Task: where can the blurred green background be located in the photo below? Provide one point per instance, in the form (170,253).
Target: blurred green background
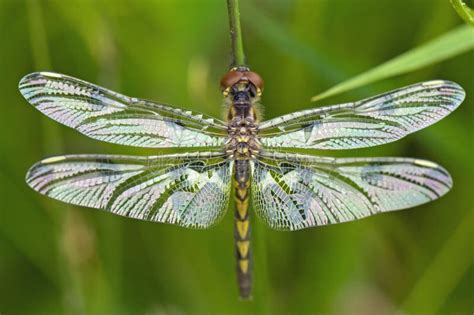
(59,259)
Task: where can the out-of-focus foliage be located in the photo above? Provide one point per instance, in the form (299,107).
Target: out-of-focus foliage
(59,259)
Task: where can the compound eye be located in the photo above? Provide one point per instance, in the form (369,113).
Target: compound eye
(255,79)
(230,78)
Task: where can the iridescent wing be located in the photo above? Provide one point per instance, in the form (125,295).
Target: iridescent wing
(190,190)
(109,116)
(373,121)
(292,192)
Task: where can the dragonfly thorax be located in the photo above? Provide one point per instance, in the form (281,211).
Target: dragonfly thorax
(242,89)
(243,143)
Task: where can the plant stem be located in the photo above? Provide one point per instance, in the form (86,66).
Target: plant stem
(237,53)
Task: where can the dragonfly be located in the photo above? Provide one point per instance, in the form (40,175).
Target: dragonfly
(290,191)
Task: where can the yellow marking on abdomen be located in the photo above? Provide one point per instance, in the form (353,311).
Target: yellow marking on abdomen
(244,265)
(241,193)
(242,208)
(243,247)
(242,228)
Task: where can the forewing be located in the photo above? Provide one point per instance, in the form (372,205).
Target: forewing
(292,192)
(373,121)
(109,116)
(190,190)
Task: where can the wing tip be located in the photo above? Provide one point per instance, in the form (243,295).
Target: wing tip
(31,175)
(35,171)
(455,88)
(444,179)
(27,81)
(34,77)
(448,182)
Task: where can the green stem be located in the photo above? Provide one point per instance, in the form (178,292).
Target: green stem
(237,53)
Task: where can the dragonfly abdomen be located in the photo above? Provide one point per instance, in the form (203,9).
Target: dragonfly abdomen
(242,228)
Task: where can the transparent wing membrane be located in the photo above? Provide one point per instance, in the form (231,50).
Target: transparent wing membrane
(109,116)
(373,121)
(292,192)
(190,190)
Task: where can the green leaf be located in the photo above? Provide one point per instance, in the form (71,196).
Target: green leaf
(448,45)
(465,12)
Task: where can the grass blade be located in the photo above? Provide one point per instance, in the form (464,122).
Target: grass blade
(465,12)
(448,45)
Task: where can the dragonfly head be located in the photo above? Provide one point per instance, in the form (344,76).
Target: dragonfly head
(240,83)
